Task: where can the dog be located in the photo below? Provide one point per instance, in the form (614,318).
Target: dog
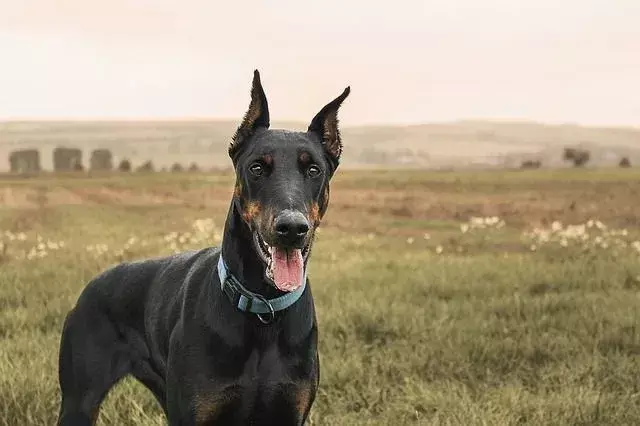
(220,336)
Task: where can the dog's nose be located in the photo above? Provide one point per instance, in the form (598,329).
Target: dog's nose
(291,228)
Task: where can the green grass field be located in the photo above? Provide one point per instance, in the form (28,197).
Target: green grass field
(443,298)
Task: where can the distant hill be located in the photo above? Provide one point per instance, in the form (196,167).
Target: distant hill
(456,144)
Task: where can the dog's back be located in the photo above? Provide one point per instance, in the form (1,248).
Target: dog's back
(159,282)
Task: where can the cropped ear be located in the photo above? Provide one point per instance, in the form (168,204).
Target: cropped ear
(325,125)
(256,116)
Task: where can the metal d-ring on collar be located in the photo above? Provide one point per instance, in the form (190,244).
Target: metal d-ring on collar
(248,301)
(272,312)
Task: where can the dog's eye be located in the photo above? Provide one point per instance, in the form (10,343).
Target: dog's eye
(313,170)
(256,169)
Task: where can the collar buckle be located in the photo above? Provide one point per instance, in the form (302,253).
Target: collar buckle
(248,301)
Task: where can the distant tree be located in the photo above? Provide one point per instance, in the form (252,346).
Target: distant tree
(25,161)
(146,167)
(176,167)
(193,167)
(531,164)
(67,159)
(124,166)
(101,159)
(579,157)
(625,162)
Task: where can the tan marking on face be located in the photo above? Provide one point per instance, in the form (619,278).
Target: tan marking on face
(304,158)
(325,202)
(238,190)
(251,211)
(314,214)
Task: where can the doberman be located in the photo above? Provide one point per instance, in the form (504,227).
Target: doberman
(220,336)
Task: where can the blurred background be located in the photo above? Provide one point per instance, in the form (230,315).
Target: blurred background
(479,263)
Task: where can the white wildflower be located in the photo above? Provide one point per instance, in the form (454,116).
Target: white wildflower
(476,222)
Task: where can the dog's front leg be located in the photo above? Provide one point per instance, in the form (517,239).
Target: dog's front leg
(193,399)
(179,412)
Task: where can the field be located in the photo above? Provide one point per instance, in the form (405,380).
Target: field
(467,298)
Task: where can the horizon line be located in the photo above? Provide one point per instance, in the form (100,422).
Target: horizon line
(177,118)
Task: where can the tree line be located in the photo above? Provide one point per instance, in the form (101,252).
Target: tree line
(70,159)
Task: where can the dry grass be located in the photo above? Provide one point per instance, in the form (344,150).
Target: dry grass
(427,316)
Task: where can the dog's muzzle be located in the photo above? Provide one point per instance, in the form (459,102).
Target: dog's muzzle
(285,258)
(291,229)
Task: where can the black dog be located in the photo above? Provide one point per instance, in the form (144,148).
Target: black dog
(222,336)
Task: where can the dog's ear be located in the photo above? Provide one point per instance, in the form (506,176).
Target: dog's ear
(256,116)
(325,125)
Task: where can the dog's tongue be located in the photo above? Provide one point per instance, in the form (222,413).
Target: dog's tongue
(287,269)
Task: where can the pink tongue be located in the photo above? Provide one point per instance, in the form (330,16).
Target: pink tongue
(287,269)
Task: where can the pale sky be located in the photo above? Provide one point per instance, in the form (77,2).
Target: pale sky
(407,61)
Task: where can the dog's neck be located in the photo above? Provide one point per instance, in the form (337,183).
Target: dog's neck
(238,249)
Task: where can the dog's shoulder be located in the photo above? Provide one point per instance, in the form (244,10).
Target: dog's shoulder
(133,279)
(187,265)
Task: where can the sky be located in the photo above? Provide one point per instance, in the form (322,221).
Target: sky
(407,61)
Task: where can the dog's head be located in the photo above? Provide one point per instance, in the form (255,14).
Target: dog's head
(282,183)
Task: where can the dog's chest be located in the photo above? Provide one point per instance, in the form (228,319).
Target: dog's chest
(270,387)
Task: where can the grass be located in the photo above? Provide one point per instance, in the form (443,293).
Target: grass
(420,323)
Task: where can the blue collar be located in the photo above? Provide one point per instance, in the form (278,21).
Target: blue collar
(249,301)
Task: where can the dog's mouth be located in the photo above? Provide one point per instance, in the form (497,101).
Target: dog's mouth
(285,266)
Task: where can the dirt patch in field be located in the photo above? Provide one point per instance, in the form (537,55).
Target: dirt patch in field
(17,198)
(105,195)
(617,205)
